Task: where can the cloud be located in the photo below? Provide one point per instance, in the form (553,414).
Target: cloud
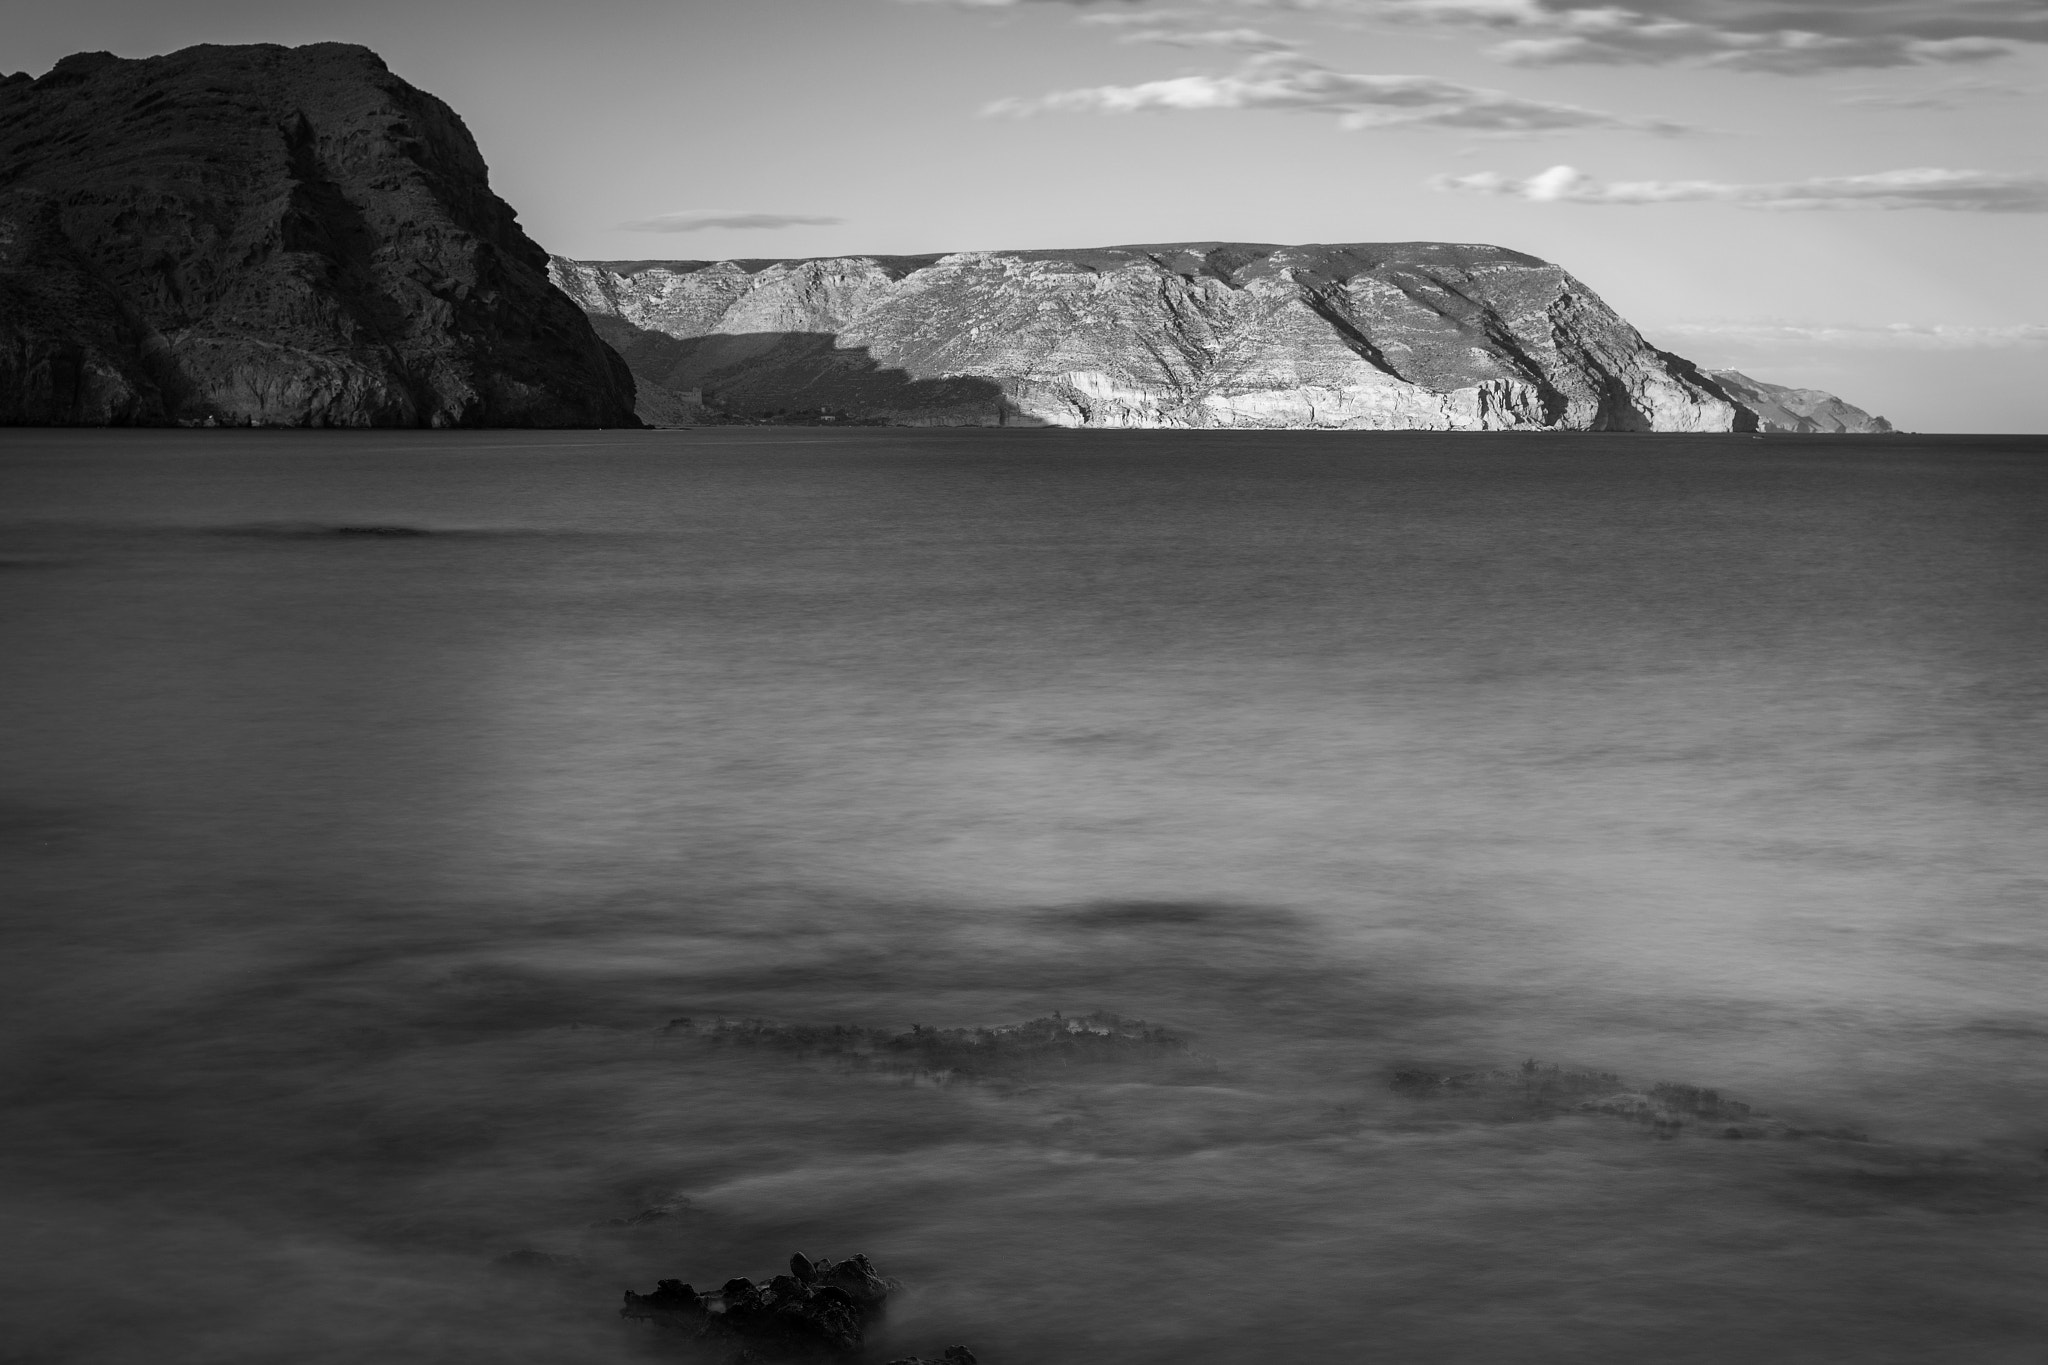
(1182,28)
(1620,39)
(1925,188)
(2019,20)
(1359,101)
(696,220)
(1237,39)
(1901,336)
(1012,4)
(1785,37)
(1954,95)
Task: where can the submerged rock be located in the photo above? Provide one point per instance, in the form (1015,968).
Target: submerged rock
(819,1307)
(645,1218)
(1364,336)
(1533,1090)
(272,236)
(1037,1048)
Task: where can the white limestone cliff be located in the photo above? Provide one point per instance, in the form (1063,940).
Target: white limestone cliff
(1404,336)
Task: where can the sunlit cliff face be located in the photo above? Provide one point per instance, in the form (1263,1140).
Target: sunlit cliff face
(361,876)
(1370,336)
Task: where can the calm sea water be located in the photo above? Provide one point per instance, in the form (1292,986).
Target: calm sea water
(351,876)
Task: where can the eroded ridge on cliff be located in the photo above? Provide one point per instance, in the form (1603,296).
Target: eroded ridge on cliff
(1365,336)
(266,235)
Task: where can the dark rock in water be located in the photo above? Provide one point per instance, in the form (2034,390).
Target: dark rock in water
(272,236)
(954,1355)
(1533,1090)
(824,1312)
(855,1278)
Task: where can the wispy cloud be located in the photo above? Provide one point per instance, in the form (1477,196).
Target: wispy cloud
(1280,81)
(1932,20)
(1016,4)
(696,220)
(1905,336)
(1621,38)
(1954,95)
(1923,188)
(1801,38)
(1787,37)
(1187,28)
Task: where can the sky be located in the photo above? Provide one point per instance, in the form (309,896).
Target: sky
(1843,194)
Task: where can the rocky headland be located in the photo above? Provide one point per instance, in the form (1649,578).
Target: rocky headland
(1366,336)
(271,236)
(1804,411)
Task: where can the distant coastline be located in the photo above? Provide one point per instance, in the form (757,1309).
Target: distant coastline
(367,276)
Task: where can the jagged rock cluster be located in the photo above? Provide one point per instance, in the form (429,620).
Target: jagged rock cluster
(271,236)
(1411,335)
(1806,411)
(1035,1048)
(820,1307)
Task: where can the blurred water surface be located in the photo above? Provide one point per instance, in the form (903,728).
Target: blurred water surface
(370,802)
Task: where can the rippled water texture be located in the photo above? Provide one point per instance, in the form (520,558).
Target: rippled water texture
(369,805)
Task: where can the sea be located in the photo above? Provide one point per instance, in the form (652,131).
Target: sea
(426,855)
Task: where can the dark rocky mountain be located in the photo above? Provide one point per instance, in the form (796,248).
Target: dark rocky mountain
(276,236)
(1779,408)
(1408,335)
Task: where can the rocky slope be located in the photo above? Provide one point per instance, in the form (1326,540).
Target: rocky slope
(270,235)
(1796,410)
(1413,335)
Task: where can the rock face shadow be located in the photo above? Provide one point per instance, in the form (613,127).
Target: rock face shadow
(759,375)
(277,237)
